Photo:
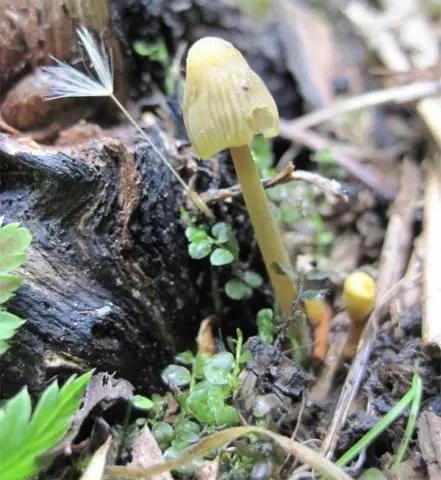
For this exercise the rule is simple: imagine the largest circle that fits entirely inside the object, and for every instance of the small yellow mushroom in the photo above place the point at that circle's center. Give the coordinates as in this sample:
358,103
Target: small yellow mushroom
225,105
359,292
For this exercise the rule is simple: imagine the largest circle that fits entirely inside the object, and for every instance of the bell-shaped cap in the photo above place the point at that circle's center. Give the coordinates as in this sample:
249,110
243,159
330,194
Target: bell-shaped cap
225,102
359,292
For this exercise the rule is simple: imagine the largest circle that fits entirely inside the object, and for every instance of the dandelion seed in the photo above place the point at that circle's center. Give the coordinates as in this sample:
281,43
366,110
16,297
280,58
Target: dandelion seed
66,81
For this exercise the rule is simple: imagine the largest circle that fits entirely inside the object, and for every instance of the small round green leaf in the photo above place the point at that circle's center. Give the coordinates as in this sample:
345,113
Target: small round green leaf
253,279
217,369
186,357
226,416
142,403
176,376
198,250
221,231
236,289
221,256
163,433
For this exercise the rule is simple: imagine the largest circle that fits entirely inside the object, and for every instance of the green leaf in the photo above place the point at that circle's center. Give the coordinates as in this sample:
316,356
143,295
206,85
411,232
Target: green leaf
8,284
142,403
156,51
186,357
218,368
265,325
8,325
226,416
195,234
198,250
187,437
13,240
12,262
261,152
236,289
198,403
176,376
163,433
220,256
253,279
188,426
317,275
24,438
221,231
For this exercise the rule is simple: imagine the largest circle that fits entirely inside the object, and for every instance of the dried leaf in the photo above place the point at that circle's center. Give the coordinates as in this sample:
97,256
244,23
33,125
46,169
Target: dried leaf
95,469
208,444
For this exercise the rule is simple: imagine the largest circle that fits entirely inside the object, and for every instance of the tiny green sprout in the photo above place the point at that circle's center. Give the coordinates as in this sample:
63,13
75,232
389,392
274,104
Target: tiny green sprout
156,51
265,325
220,246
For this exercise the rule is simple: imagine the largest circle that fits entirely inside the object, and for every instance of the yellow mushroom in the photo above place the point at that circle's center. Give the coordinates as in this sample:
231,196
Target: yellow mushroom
225,105
359,292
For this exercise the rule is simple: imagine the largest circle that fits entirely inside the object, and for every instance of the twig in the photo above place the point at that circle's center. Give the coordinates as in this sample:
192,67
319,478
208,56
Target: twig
431,334
363,154
393,260
398,95
383,184
331,187
423,44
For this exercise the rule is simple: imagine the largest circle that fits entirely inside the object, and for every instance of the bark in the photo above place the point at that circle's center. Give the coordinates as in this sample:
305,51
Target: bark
108,282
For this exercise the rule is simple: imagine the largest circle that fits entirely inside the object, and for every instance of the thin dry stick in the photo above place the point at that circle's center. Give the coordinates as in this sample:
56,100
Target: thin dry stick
383,184
422,42
393,261
331,187
397,95
432,260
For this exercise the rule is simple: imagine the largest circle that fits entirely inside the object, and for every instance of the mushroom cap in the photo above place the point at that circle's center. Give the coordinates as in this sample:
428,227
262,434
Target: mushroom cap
225,102
359,294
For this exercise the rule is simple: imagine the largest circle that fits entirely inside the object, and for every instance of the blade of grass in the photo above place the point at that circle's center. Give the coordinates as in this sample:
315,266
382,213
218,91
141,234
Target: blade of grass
379,428
417,387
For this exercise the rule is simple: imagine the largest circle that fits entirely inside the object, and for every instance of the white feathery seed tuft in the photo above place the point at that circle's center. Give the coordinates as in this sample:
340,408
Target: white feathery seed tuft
66,81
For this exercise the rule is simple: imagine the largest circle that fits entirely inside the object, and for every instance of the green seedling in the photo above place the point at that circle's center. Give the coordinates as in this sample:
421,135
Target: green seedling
412,398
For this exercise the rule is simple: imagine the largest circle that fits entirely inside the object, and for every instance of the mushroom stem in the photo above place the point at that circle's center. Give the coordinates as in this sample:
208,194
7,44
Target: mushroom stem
266,230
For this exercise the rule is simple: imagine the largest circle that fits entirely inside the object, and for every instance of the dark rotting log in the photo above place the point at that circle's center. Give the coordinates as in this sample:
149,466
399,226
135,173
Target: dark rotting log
108,281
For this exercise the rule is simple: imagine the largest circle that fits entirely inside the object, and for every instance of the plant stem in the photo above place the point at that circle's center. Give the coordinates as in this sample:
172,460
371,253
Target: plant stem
266,230
194,196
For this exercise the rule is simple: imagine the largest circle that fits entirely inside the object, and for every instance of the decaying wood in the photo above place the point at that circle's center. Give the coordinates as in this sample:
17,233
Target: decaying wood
108,280
429,436
109,283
